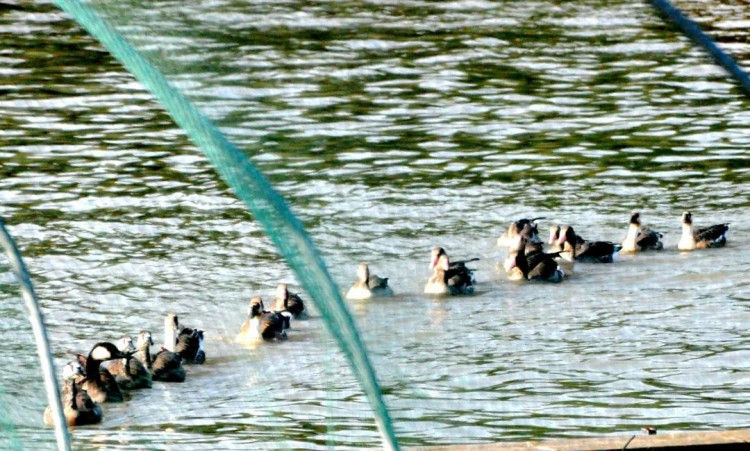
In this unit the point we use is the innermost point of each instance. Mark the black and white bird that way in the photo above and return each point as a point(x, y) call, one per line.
point(641, 238)
point(130, 373)
point(289, 304)
point(449, 277)
point(99, 382)
point(167, 364)
point(703, 238)
point(261, 324)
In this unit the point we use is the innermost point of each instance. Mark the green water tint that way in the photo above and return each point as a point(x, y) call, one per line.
point(8, 435)
point(264, 202)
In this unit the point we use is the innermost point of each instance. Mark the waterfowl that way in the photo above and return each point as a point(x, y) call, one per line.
point(78, 407)
point(289, 304)
point(143, 352)
point(586, 251)
point(449, 277)
point(528, 260)
point(542, 266)
point(261, 324)
point(567, 245)
point(190, 344)
point(703, 238)
point(516, 265)
point(368, 285)
point(167, 364)
point(508, 238)
point(99, 382)
point(641, 238)
point(130, 372)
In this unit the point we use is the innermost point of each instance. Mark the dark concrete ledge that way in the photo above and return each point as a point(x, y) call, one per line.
point(705, 440)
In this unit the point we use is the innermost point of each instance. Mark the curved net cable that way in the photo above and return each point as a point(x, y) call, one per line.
point(264, 202)
point(40, 336)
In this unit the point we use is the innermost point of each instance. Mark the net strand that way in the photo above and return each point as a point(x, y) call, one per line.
point(62, 437)
point(693, 31)
point(264, 202)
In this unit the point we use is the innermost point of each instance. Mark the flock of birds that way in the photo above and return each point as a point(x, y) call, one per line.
point(528, 260)
point(87, 382)
point(110, 369)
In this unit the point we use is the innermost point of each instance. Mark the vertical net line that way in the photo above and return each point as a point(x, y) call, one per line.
point(264, 202)
point(693, 31)
point(40, 336)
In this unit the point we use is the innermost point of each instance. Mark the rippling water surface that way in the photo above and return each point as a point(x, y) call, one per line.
point(390, 127)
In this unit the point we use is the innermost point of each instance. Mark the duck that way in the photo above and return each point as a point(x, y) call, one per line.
point(143, 349)
point(99, 382)
point(263, 325)
point(78, 407)
point(516, 265)
point(190, 344)
point(641, 238)
point(703, 238)
point(586, 251)
point(567, 249)
point(368, 285)
point(167, 364)
point(289, 304)
point(528, 261)
point(449, 277)
point(507, 239)
point(130, 373)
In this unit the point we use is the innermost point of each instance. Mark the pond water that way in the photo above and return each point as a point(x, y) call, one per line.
point(390, 127)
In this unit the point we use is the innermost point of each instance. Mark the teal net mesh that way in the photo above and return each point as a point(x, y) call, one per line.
point(388, 128)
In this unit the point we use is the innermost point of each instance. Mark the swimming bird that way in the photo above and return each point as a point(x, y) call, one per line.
point(449, 277)
point(289, 304)
point(78, 407)
point(516, 265)
point(586, 251)
point(190, 344)
point(368, 285)
point(130, 372)
point(99, 382)
point(641, 238)
point(167, 364)
point(516, 228)
point(261, 324)
point(703, 238)
point(529, 261)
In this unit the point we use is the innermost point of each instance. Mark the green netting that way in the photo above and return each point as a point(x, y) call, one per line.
point(391, 127)
point(44, 352)
point(266, 204)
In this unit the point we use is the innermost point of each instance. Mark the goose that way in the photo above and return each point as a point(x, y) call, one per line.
point(641, 238)
point(261, 324)
point(190, 344)
point(368, 285)
point(130, 372)
point(167, 364)
point(289, 304)
point(567, 245)
point(516, 265)
point(99, 382)
point(703, 238)
point(447, 277)
point(529, 261)
point(586, 251)
point(78, 407)
point(507, 239)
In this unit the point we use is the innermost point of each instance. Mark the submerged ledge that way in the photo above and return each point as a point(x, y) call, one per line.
point(704, 440)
